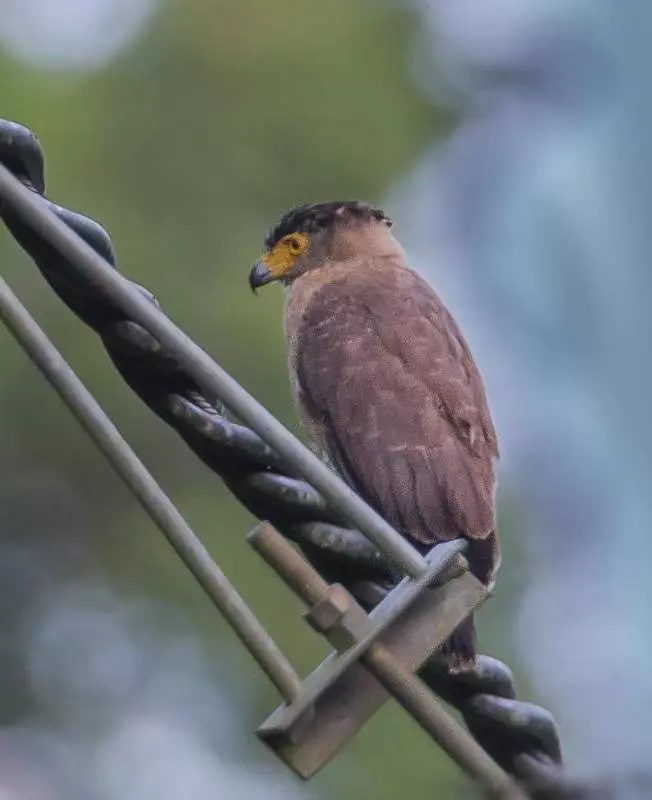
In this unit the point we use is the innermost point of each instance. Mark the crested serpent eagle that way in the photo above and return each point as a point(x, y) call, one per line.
point(385, 383)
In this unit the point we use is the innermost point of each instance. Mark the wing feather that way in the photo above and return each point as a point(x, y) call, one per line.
point(385, 376)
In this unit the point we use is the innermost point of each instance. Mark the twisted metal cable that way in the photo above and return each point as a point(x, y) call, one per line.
point(521, 736)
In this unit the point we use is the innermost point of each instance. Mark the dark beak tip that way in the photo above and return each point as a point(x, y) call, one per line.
point(259, 276)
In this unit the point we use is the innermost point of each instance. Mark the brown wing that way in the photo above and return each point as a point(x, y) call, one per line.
point(388, 381)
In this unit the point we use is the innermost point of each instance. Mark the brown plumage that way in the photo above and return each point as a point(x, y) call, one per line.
point(385, 383)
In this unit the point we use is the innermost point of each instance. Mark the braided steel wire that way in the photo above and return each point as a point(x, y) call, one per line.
point(521, 736)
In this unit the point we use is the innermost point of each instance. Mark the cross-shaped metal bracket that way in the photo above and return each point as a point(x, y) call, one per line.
point(375, 654)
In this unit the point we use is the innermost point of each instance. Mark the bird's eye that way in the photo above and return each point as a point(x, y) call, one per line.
point(295, 246)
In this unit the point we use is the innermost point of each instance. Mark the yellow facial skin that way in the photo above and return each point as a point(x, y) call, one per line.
point(281, 259)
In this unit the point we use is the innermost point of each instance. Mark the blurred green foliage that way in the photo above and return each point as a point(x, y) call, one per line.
point(187, 148)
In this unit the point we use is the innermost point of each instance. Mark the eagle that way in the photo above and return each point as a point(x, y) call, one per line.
point(385, 384)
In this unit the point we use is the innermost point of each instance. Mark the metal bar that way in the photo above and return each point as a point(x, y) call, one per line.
point(152, 498)
point(30, 207)
point(288, 563)
point(424, 706)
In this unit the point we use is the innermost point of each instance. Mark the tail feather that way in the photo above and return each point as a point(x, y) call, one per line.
point(459, 650)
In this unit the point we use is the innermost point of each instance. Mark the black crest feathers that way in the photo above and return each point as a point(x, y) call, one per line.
point(320, 216)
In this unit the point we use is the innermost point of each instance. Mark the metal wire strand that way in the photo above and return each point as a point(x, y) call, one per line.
point(521, 737)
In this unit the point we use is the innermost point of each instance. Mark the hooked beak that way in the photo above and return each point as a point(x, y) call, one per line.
point(259, 276)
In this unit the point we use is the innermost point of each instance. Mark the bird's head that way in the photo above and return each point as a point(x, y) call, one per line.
point(308, 236)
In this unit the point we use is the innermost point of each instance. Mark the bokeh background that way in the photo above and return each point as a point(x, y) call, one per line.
point(510, 141)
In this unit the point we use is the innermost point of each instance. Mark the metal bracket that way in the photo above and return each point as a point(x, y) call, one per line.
point(343, 692)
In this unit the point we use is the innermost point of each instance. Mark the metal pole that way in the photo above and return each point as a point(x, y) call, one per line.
point(30, 207)
point(150, 495)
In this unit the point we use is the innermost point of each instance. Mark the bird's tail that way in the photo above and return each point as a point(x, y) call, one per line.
point(459, 650)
